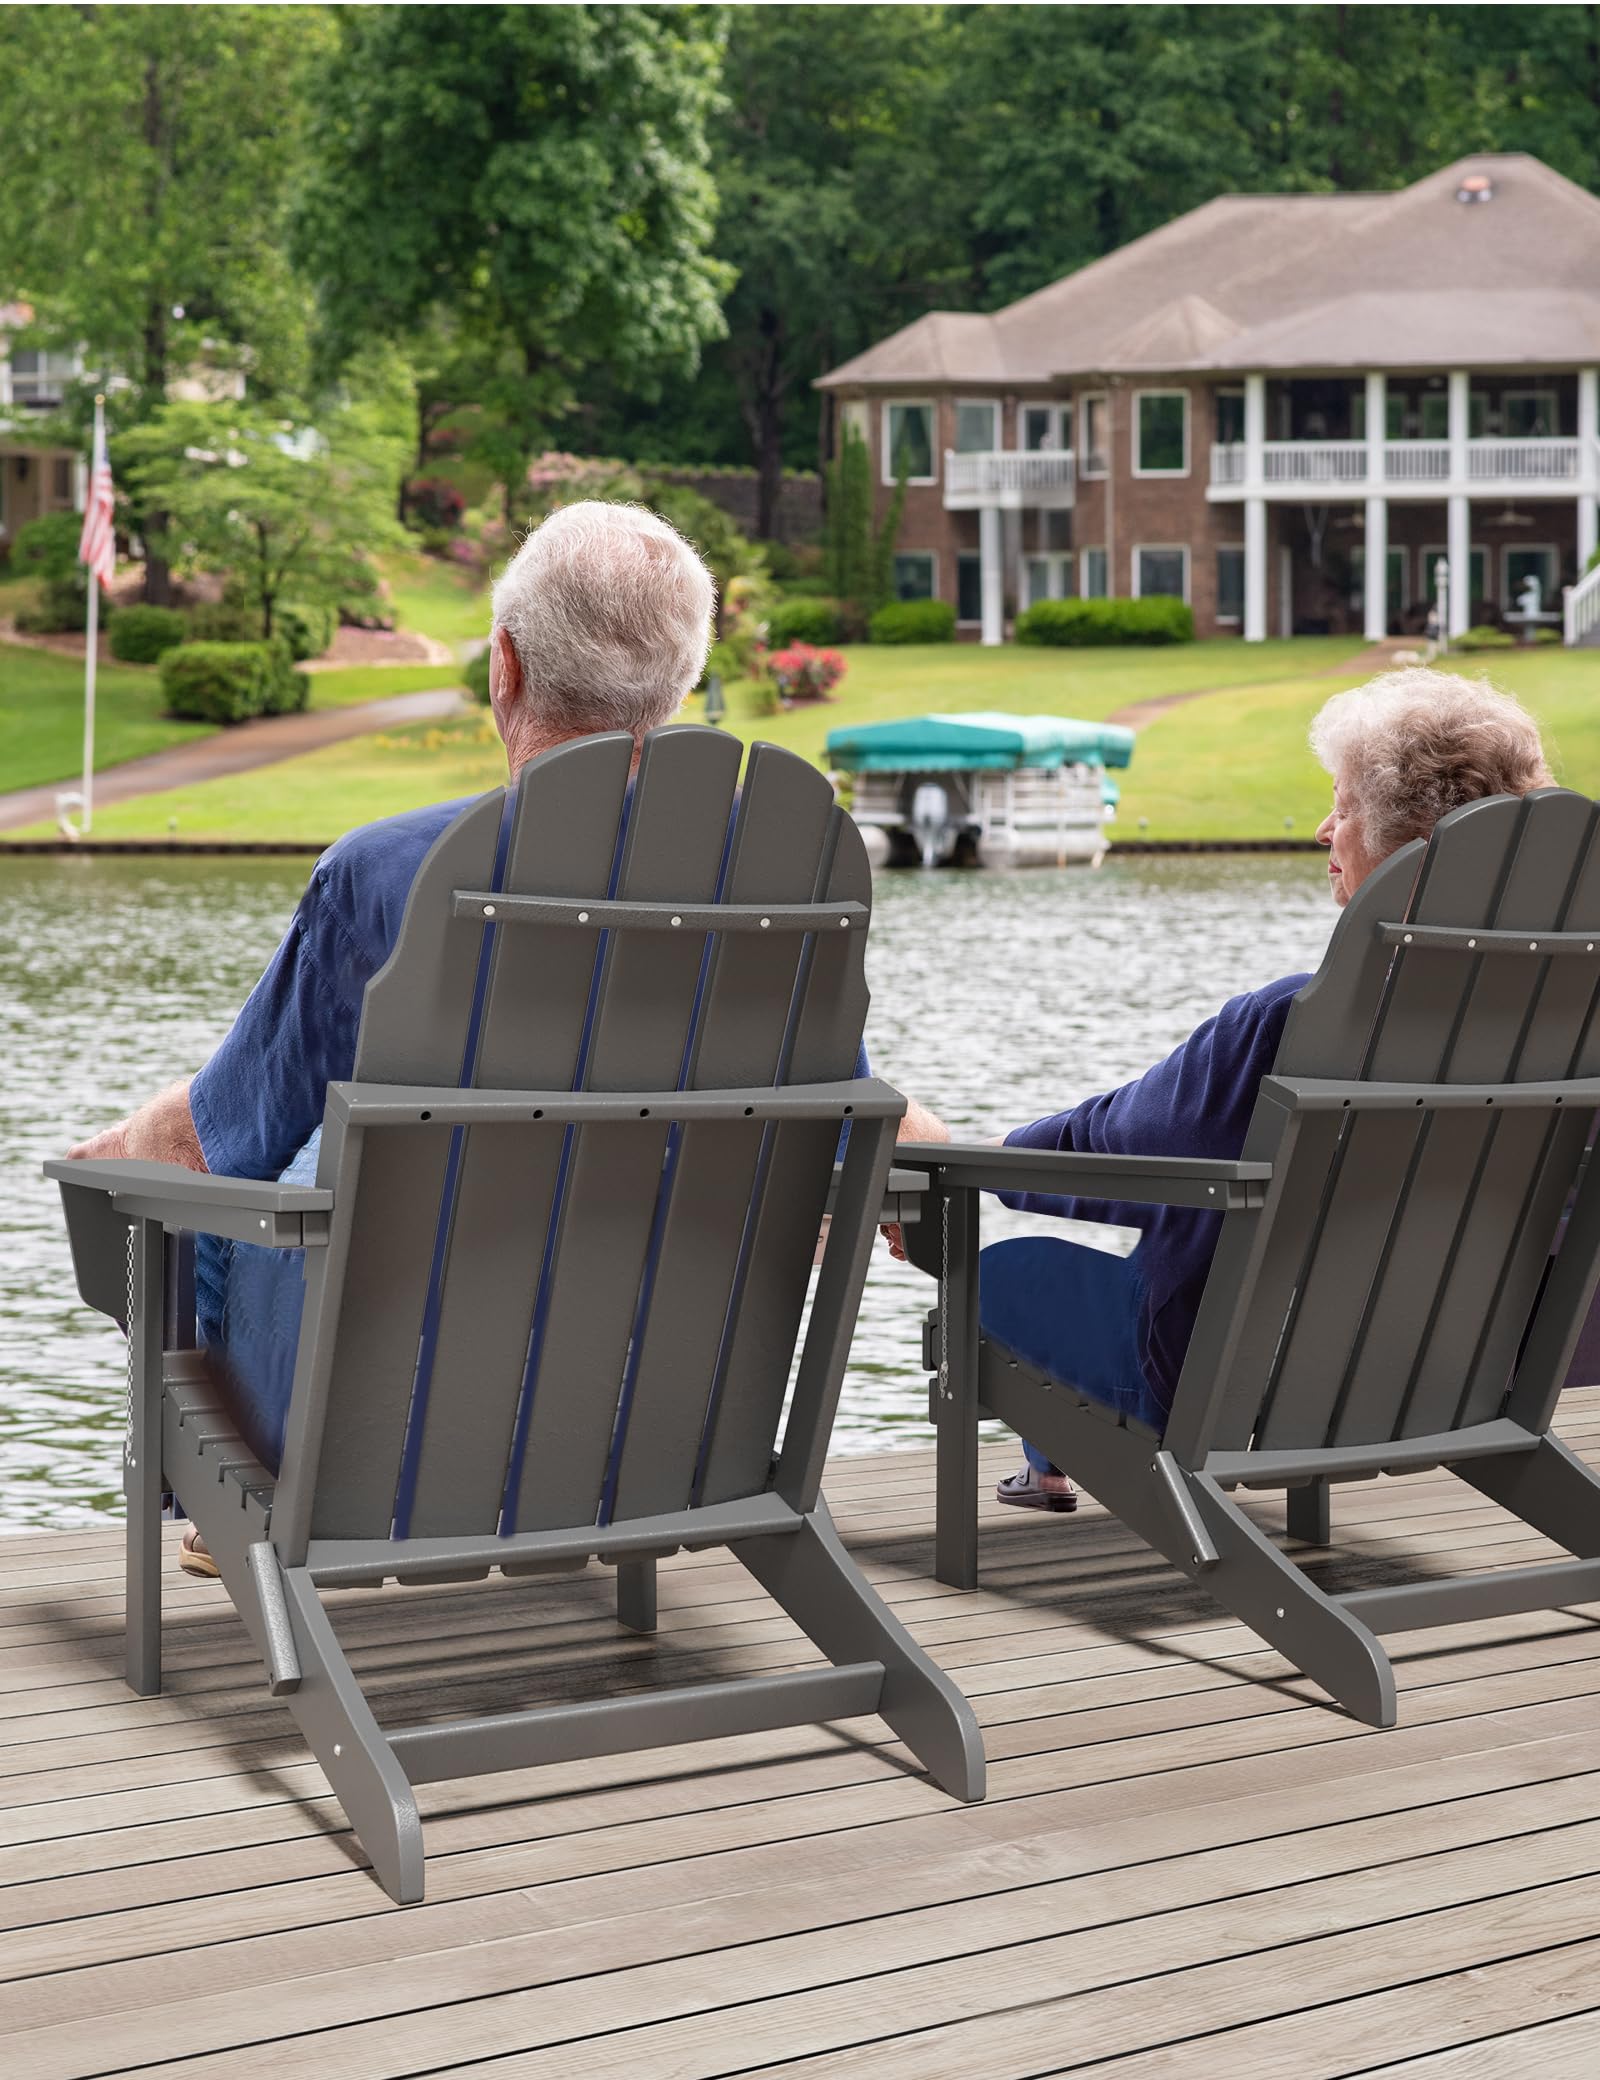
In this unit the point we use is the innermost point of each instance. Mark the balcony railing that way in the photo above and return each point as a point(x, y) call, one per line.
point(1539, 461)
point(1003, 476)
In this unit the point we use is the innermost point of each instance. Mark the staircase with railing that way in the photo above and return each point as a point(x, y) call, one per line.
point(1580, 610)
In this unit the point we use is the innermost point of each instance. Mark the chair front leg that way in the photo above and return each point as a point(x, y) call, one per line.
point(954, 1394)
point(141, 1467)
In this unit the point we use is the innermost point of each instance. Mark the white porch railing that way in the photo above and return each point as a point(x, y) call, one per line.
point(1010, 475)
point(1227, 462)
point(1314, 462)
point(1529, 462)
point(1416, 462)
point(1580, 607)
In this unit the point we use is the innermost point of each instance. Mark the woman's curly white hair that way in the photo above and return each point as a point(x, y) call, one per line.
point(1411, 745)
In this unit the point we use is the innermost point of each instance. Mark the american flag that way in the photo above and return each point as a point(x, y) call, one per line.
point(97, 545)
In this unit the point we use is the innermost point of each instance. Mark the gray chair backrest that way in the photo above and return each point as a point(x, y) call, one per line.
point(1409, 1231)
point(527, 1326)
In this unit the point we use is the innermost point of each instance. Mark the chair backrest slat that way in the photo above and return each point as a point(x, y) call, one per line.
point(781, 832)
point(495, 1219)
point(790, 1193)
point(1407, 1249)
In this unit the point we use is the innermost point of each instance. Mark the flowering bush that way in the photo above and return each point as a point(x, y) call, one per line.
point(801, 673)
point(432, 503)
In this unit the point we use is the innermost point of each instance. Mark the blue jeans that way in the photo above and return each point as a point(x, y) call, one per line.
point(1076, 1313)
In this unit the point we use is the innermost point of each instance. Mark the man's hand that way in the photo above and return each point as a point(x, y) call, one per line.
point(161, 1131)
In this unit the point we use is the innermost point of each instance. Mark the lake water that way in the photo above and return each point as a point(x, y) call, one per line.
point(996, 997)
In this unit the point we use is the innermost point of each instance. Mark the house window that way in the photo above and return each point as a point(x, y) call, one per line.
point(1042, 426)
point(969, 587)
point(1161, 422)
point(1436, 415)
point(1530, 560)
point(1530, 415)
point(1397, 594)
point(913, 574)
point(39, 380)
point(855, 417)
point(1161, 573)
point(61, 479)
point(977, 427)
point(1230, 585)
point(1394, 413)
point(1230, 418)
point(908, 443)
point(1094, 573)
point(1478, 582)
point(1096, 437)
point(1046, 577)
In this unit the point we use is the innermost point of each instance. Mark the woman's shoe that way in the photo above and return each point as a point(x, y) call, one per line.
point(194, 1559)
point(1031, 1490)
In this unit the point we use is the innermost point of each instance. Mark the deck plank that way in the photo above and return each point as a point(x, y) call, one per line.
point(1184, 1848)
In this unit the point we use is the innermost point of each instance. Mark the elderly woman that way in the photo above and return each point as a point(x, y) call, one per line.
point(1402, 750)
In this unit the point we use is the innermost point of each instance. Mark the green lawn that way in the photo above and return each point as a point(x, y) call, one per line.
point(41, 717)
point(436, 598)
point(348, 684)
point(1237, 766)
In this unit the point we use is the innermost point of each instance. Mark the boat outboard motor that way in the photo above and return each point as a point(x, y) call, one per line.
point(930, 822)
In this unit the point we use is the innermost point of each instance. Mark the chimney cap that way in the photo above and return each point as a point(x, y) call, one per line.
point(1475, 187)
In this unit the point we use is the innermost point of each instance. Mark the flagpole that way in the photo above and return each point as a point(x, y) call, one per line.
point(91, 655)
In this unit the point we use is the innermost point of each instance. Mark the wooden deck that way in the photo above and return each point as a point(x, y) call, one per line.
point(1187, 1863)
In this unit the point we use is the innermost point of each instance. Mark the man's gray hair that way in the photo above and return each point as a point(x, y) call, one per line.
point(609, 611)
point(1411, 745)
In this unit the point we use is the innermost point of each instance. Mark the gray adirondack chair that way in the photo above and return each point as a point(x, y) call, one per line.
point(1382, 1298)
point(617, 1042)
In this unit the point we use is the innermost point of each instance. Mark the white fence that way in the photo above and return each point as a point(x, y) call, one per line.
point(1580, 607)
point(1009, 474)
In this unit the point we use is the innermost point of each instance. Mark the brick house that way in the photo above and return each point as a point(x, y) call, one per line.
point(36, 477)
point(1285, 409)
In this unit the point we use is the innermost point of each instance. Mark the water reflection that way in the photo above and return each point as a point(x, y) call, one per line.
point(995, 997)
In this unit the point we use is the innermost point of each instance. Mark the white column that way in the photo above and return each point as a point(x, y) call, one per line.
point(1460, 392)
point(1255, 429)
point(1460, 554)
point(1377, 427)
point(992, 571)
point(1588, 464)
point(1255, 570)
point(1375, 553)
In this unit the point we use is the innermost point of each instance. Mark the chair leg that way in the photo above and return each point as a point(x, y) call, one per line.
point(636, 1595)
point(1310, 1519)
point(349, 1746)
point(955, 1399)
point(141, 1468)
point(1268, 1592)
point(811, 1576)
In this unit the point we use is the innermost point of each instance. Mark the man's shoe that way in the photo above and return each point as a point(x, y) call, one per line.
point(1031, 1490)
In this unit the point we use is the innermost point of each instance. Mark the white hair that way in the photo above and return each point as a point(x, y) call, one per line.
point(1411, 745)
point(609, 611)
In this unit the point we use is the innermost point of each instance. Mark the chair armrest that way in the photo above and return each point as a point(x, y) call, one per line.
point(1218, 1187)
point(903, 1194)
point(279, 1216)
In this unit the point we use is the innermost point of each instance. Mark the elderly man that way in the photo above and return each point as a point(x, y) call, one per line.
point(602, 621)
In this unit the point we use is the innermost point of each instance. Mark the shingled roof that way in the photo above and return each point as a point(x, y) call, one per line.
point(1410, 279)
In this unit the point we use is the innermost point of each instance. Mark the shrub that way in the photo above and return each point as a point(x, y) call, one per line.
point(800, 673)
point(307, 630)
point(433, 503)
point(226, 620)
point(230, 682)
point(813, 587)
point(143, 635)
point(913, 621)
point(61, 608)
point(1076, 623)
point(1484, 638)
point(804, 621)
point(48, 548)
point(476, 674)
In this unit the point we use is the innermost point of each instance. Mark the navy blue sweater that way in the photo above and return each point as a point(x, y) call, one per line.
point(1197, 1102)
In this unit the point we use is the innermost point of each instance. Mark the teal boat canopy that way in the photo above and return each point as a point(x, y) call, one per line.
point(979, 743)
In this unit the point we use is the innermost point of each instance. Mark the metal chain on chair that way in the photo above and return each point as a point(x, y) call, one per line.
point(127, 1430)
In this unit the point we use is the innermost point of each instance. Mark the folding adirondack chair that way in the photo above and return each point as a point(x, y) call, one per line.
point(1383, 1297)
point(556, 1261)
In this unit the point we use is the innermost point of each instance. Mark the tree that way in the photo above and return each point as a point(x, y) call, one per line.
point(538, 173)
point(284, 510)
point(148, 153)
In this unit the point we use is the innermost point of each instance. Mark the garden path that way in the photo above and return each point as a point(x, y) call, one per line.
point(260, 743)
